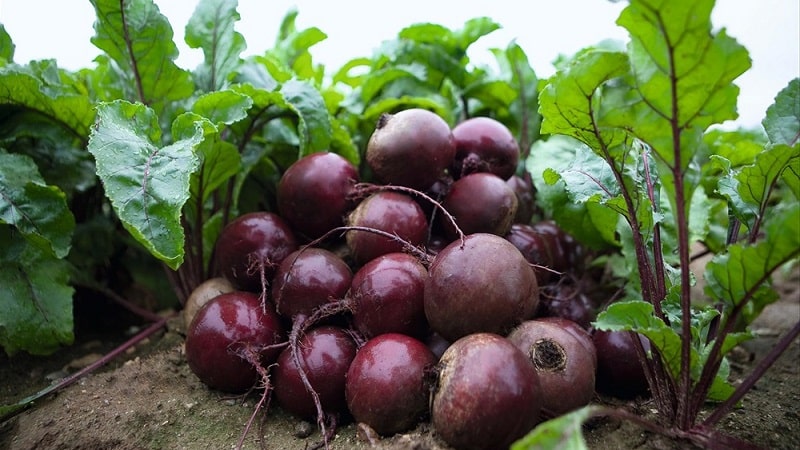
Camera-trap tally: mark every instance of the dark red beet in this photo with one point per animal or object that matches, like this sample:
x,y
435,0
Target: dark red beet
x,y
312,193
525,196
308,278
222,330
410,148
392,212
541,244
250,248
480,203
565,360
619,372
487,394
387,295
385,383
484,144
485,286
568,301
325,353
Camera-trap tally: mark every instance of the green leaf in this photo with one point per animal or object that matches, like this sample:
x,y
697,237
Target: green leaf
x,y
290,54
639,316
473,30
61,159
428,33
740,274
138,38
223,107
314,124
439,60
561,433
748,189
570,101
682,72
782,122
219,159
6,47
377,80
525,107
342,142
36,298
590,223
44,89
739,147
493,94
211,28
147,185
40,212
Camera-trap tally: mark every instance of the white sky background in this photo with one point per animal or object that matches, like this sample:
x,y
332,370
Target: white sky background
x,y
770,29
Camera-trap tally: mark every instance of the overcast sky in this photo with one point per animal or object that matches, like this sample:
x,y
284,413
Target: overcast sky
x,y
770,29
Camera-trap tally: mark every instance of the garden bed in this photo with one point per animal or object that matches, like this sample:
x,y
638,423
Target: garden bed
x,y
149,399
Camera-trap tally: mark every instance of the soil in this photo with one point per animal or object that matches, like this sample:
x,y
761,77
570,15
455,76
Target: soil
x,y
149,399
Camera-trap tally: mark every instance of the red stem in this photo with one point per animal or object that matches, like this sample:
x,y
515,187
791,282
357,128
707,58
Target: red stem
x,y
147,332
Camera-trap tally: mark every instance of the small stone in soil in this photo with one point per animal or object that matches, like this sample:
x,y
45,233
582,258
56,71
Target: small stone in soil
x,y
303,430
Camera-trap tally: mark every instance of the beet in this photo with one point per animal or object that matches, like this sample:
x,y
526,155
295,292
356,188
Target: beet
x,y
385,383
486,285
480,203
312,194
619,370
391,212
565,359
221,333
387,296
250,248
325,354
526,198
410,148
308,278
568,301
487,393
544,244
484,144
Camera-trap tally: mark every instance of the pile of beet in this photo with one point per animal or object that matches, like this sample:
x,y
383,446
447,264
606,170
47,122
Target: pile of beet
x,y
425,294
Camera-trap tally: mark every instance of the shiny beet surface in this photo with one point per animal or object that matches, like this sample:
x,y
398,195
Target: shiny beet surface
x,y
221,330
385,383
312,193
325,353
253,245
395,213
308,278
388,296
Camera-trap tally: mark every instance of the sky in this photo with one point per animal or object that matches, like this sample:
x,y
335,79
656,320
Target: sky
x,y
770,29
